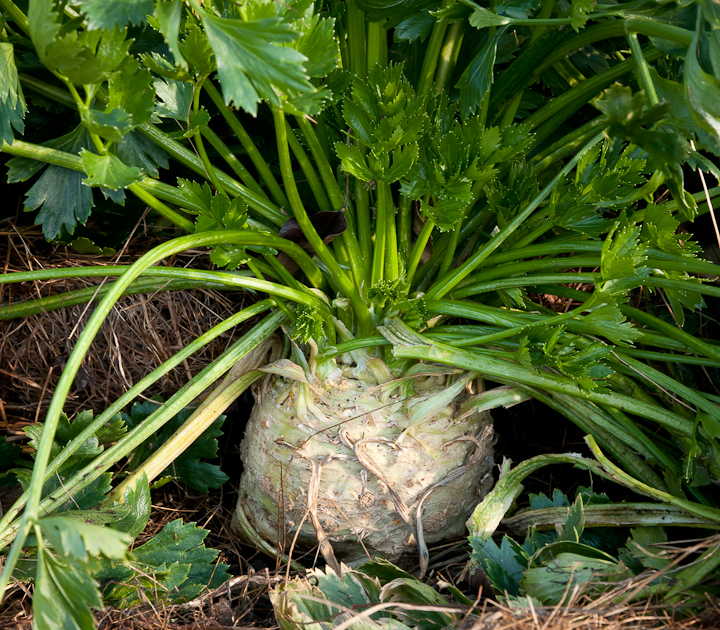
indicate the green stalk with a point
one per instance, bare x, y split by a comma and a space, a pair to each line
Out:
654, 28
357, 45
449, 254
89, 431
200, 145
410, 345
543, 54
257, 202
404, 223
432, 54
566, 146
419, 248
257, 159
338, 201
35, 306
381, 234
337, 197
565, 105
186, 157
642, 69
376, 45
153, 202
362, 205
308, 170
449, 55
68, 160
487, 516
545, 12
325, 255
392, 263
622, 477
16, 14
181, 399
168, 279
608, 515
667, 383
673, 332
446, 283
232, 161
620, 443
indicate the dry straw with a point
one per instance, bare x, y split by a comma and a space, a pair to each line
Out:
141, 332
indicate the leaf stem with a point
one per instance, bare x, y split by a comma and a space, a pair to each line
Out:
257, 159
307, 168
432, 54
325, 255
418, 249
449, 55
153, 202
642, 69
232, 161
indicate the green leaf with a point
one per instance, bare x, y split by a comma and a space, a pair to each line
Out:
86, 57
483, 18
251, 63
318, 44
183, 543
111, 125
609, 322
575, 523
643, 545
477, 78
63, 595
174, 98
102, 14
135, 149
353, 162
413, 591
580, 10
188, 467
130, 90
403, 160
63, 201
499, 563
553, 583
628, 117
680, 114
108, 171
175, 565
169, 14
12, 101
196, 49
84, 245
82, 541
622, 254
138, 504
541, 501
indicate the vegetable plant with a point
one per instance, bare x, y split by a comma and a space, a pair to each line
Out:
410, 212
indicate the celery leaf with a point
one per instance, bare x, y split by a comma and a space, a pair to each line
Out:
12, 102
102, 14
251, 62
108, 171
